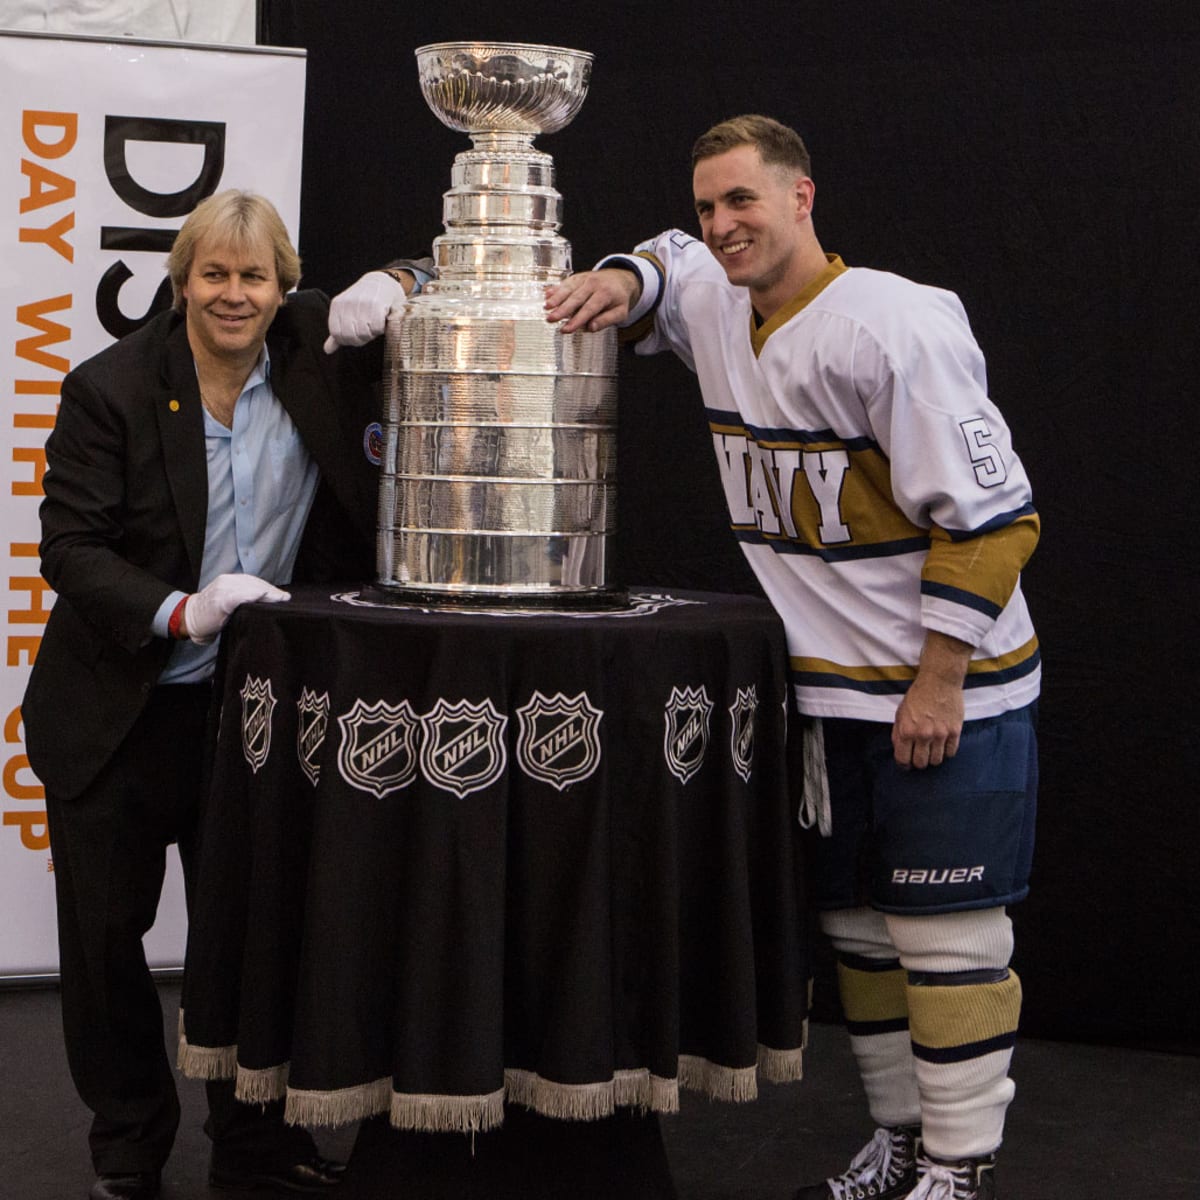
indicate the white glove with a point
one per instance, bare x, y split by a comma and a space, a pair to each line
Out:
205, 613
359, 314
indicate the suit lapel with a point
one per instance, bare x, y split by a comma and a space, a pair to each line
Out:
181, 427
304, 391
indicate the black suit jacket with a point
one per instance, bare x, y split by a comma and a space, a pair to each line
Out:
124, 514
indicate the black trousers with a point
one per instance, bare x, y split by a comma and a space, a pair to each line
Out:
109, 849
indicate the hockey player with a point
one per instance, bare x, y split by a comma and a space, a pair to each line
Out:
874, 490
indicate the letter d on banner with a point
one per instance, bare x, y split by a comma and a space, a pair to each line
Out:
159, 134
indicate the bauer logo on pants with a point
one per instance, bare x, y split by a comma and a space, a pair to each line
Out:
258, 704
559, 741
378, 750
463, 748
686, 739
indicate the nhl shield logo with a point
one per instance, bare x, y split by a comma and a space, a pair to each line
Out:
741, 730
463, 747
310, 735
258, 704
559, 742
686, 739
378, 749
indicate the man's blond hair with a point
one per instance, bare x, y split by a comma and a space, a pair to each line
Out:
777, 144
236, 219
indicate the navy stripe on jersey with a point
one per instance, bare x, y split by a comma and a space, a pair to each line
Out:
1001, 521
766, 436
898, 686
1007, 675
871, 687
782, 544
658, 270
943, 591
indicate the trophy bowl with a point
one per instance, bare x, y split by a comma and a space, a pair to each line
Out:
503, 87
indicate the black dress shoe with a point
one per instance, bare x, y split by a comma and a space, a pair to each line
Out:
310, 1174
140, 1185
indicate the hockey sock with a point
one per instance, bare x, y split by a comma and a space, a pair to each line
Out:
873, 990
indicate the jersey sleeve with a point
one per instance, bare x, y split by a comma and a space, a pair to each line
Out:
667, 265
953, 467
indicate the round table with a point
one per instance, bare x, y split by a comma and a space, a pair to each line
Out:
456, 858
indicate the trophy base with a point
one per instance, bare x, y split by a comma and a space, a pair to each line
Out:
607, 599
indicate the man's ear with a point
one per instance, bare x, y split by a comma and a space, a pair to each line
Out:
805, 190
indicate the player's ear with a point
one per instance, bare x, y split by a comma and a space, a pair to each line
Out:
803, 191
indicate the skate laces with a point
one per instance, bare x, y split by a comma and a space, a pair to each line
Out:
873, 1164
941, 1181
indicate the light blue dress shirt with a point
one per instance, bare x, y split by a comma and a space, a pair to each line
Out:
261, 483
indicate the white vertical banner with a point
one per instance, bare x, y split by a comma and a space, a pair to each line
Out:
105, 147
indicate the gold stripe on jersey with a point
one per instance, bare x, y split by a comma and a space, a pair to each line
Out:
823, 666
965, 1020
902, 673
871, 997
987, 566
1004, 662
806, 295
863, 513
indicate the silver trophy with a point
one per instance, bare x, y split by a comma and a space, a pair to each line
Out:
498, 481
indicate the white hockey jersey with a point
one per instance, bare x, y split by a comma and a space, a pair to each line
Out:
871, 482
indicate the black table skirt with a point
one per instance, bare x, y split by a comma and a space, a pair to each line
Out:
452, 859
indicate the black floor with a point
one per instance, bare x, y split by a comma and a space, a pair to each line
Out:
1088, 1123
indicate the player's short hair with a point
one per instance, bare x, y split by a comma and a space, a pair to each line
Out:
237, 219
778, 144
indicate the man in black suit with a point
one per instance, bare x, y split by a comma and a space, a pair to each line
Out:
195, 465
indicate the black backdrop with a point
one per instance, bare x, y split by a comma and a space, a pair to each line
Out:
1040, 160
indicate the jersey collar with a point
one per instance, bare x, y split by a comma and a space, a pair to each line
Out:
808, 293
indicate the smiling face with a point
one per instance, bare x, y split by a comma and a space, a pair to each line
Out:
231, 295
755, 220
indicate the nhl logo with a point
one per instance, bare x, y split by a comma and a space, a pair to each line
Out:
463, 748
377, 752
741, 730
258, 703
310, 736
559, 741
686, 739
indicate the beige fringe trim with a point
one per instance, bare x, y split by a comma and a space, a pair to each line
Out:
263, 1085
592, 1101
204, 1062
781, 1066
477, 1114
734, 1084
453, 1114
339, 1107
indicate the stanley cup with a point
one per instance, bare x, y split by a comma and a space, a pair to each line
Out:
498, 481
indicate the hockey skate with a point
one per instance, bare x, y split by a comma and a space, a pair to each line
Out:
884, 1169
971, 1179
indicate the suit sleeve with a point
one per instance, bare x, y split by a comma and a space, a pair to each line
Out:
84, 529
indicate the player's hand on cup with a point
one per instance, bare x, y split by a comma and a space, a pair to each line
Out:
206, 611
359, 314
593, 300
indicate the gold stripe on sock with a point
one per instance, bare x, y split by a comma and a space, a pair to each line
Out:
942, 1017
